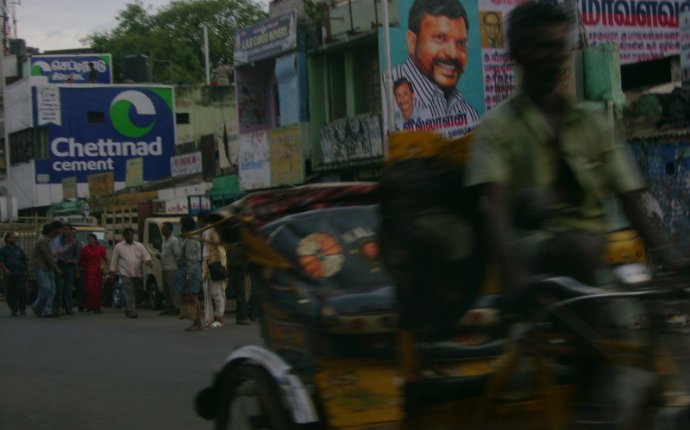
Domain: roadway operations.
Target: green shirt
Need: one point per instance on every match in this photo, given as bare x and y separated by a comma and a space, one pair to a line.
513, 147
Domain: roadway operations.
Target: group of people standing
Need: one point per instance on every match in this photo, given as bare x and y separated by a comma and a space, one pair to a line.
60, 260
191, 266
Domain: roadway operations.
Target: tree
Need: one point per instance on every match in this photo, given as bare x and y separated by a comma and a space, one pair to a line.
172, 37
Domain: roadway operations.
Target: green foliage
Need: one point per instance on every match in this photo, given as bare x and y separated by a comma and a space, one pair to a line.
172, 36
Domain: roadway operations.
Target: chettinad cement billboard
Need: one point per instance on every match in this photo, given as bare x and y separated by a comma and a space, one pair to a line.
72, 69
96, 130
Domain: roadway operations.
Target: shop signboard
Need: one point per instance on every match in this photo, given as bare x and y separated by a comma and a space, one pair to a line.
266, 39
97, 129
72, 69
181, 205
186, 164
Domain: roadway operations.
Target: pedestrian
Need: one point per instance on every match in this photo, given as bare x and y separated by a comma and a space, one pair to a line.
239, 283
56, 250
127, 262
70, 249
214, 283
13, 264
91, 261
188, 277
170, 253
46, 268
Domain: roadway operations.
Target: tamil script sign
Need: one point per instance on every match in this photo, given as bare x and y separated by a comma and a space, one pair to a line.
266, 39
73, 69
100, 128
644, 30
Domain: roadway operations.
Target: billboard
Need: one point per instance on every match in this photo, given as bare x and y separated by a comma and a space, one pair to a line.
95, 130
447, 72
437, 82
72, 69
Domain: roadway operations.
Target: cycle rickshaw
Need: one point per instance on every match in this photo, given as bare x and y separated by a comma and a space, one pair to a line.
347, 348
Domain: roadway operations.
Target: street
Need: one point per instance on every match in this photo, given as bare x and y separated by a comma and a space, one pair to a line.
108, 372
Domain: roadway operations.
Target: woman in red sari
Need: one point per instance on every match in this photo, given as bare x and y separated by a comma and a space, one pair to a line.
91, 260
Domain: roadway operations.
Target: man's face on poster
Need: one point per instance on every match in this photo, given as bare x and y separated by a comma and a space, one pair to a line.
440, 49
404, 97
493, 27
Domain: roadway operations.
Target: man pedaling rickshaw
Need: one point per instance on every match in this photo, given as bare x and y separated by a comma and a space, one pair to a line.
543, 166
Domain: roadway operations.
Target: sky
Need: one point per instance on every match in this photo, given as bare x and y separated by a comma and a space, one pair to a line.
60, 24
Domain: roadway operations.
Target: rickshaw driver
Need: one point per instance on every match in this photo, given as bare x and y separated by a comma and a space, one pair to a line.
539, 140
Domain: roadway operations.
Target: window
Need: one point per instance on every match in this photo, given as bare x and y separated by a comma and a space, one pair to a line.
28, 145
182, 118
337, 86
95, 117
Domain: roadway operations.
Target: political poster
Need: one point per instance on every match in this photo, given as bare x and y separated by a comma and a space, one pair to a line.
436, 60
254, 161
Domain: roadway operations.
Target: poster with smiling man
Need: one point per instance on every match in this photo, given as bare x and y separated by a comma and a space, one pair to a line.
437, 67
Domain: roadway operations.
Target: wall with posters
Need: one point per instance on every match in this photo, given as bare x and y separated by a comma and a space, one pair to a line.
97, 129
72, 69
271, 91
271, 158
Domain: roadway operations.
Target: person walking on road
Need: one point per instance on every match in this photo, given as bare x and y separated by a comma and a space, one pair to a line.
56, 250
127, 261
214, 289
169, 256
188, 277
46, 269
70, 249
91, 259
13, 264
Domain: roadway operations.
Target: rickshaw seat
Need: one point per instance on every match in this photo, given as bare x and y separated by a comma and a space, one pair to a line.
448, 350
382, 299
426, 392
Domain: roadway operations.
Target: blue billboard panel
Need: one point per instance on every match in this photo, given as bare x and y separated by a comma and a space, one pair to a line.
97, 129
73, 69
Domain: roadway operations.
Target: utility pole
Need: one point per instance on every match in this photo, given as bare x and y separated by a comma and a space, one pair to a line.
5, 134
206, 61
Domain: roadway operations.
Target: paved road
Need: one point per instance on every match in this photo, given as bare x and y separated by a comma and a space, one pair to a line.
107, 372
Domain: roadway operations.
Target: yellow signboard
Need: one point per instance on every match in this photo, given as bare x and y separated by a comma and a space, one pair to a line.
69, 187
101, 184
134, 173
286, 155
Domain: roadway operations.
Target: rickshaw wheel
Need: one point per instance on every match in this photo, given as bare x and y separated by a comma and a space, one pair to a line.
250, 401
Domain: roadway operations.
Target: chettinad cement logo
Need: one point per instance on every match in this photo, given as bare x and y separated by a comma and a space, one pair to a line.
123, 105
141, 124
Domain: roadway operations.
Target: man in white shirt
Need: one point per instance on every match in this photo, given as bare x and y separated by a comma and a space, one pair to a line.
169, 255
128, 258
